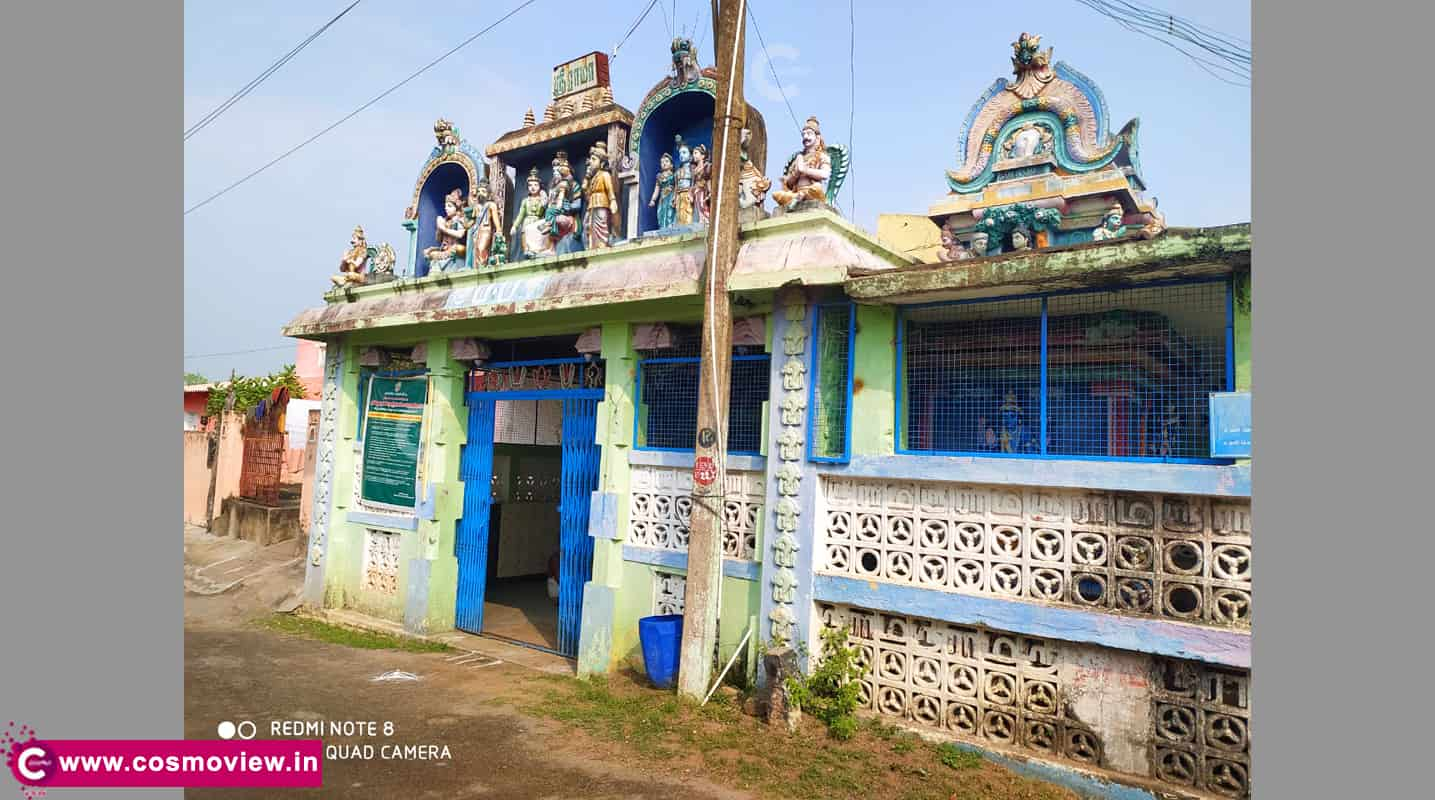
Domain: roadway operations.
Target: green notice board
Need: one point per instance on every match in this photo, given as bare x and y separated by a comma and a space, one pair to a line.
393, 424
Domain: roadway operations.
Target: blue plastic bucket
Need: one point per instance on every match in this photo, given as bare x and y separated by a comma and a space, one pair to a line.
661, 637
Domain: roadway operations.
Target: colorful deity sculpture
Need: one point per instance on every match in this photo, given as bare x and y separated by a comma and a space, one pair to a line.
351, 266
1020, 239
981, 241
752, 185
1110, 227
1156, 225
807, 172
445, 133
663, 192
685, 62
952, 247
487, 226
559, 220
1015, 436
683, 184
702, 185
452, 229
600, 202
533, 241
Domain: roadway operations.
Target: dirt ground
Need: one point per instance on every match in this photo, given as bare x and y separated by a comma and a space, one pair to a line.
511, 731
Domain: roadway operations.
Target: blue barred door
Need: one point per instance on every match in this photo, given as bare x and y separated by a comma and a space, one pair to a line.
475, 468
580, 480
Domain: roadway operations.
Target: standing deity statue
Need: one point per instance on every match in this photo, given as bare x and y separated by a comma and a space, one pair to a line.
356, 258
1015, 436
807, 174
683, 184
563, 194
702, 185
1110, 227
487, 225
452, 229
529, 219
600, 202
752, 185
663, 192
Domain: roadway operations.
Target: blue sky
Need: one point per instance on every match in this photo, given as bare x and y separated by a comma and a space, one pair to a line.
257, 256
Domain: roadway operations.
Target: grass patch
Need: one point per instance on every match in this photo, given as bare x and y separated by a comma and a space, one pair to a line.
957, 758
309, 628
630, 722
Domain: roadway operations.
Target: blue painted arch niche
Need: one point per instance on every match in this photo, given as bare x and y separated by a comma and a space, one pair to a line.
688, 114
443, 179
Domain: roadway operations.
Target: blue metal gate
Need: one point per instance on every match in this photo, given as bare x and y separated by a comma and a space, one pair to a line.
578, 384
580, 480
475, 468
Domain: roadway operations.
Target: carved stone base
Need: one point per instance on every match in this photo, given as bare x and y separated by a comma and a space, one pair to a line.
800, 206
751, 214
778, 664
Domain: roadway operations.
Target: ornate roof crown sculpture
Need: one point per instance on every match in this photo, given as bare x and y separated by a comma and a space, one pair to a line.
1037, 152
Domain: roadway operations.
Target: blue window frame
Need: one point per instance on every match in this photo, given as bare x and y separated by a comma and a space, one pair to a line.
829, 425
1119, 374
667, 403
365, 373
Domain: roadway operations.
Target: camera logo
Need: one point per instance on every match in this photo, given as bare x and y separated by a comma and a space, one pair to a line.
31, 761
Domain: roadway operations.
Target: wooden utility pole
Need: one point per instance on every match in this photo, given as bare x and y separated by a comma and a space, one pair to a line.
703, 593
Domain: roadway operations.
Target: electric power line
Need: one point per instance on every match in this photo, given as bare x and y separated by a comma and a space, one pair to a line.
1223, 52
296, 148
252, 85
771, 68
239, 352
851, 99
641, 17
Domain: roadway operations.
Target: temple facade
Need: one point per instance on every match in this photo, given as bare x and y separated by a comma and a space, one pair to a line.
1005, 444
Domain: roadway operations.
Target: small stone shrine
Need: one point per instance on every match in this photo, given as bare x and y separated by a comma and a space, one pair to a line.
1040, 168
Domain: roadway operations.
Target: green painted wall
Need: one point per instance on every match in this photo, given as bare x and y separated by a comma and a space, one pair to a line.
873, 381
1243, 331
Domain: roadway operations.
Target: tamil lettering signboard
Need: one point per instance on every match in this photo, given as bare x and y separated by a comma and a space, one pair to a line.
393, 428
1231, 425
580, 74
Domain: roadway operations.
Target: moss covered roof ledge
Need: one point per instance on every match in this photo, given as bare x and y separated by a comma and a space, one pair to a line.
1177, 253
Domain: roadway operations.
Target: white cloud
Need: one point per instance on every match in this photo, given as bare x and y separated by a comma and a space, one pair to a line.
783, 59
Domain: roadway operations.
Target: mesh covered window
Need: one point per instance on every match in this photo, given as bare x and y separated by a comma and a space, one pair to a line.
668, 397
831, 374
1127, 374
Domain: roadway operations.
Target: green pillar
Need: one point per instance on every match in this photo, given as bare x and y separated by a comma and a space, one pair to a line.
601, 634
874, 367
431, 608
1242, 292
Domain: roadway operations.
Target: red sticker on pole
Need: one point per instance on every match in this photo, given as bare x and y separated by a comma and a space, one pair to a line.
704, 470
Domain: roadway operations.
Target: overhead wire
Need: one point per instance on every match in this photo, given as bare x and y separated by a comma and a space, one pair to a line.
296, 148
1223, 52
238, 352
216, 112
643, 16
772, 68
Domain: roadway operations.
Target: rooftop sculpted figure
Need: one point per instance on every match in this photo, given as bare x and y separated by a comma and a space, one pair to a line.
807, 175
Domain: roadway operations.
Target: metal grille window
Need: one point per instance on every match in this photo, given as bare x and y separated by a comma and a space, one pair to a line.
668, 402
1124, 374
833, 330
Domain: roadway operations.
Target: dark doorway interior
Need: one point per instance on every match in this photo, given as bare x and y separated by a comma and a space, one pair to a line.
519, 602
